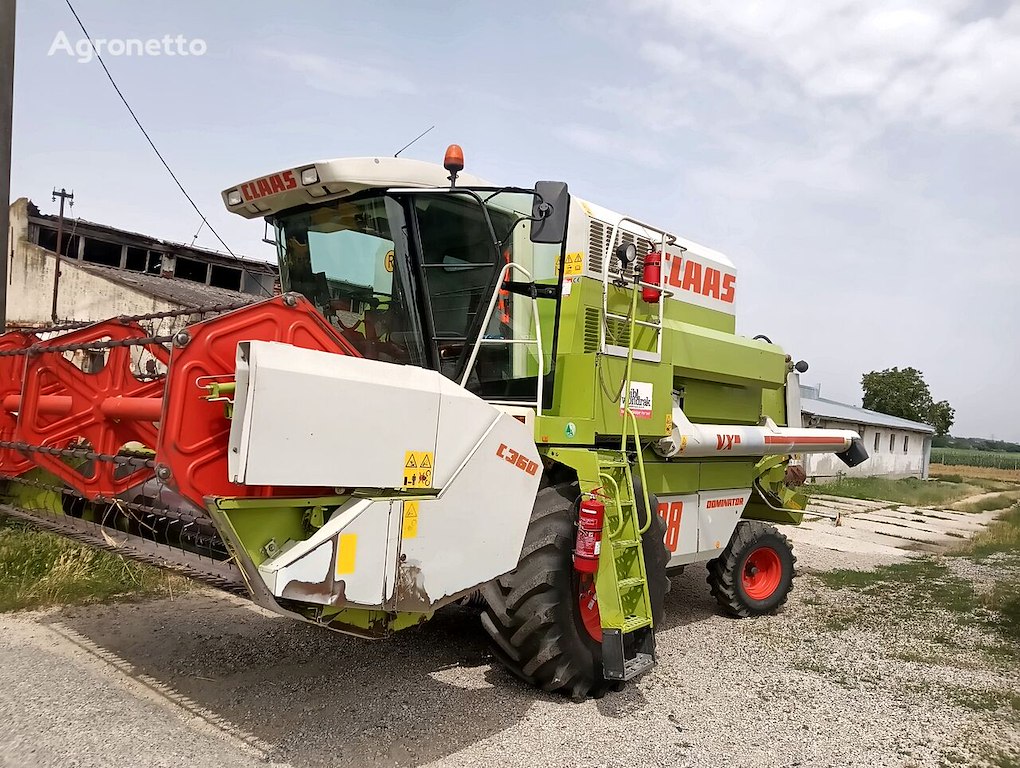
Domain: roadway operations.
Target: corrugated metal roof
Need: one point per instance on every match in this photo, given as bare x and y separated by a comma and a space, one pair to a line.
87, 228
184, 293
830, 409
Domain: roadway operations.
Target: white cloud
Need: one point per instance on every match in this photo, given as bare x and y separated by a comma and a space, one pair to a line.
896, 60
609, 144
344, 78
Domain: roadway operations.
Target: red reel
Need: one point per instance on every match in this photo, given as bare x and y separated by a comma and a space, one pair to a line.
63, 407
194, 433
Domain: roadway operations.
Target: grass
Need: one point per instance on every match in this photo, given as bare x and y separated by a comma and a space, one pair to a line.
39, 569
926, 584
908, 490
989, 503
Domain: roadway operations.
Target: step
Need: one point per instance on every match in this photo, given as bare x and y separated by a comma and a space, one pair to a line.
634, 623
613, 463
641, 663
623, 584
626, 543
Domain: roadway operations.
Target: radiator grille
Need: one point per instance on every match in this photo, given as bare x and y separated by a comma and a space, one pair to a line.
591, 329
599, 248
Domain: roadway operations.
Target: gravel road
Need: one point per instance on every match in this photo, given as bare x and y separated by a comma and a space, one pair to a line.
206, 680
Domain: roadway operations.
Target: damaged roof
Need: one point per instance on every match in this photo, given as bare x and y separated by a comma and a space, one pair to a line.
184, 293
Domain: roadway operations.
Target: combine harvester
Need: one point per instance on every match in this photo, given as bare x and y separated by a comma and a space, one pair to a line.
465, 389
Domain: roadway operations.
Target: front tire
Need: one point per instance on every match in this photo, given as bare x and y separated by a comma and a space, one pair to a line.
754, 574
540, 616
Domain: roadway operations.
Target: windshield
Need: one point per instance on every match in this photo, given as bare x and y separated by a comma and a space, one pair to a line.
410, 279
343, 257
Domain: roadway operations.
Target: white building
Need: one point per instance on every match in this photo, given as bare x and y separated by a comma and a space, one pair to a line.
897, 447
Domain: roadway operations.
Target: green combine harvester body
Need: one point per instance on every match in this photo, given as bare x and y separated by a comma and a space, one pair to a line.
464, 391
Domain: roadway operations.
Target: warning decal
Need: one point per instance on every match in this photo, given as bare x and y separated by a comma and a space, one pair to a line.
418, 469
573, 264
410, 526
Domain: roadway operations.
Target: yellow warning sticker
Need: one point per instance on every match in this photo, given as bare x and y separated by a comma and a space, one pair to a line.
573, 264
418, 469
410, 527
346, 547
669, 424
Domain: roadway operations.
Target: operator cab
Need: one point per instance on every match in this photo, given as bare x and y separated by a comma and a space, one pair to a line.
407, 270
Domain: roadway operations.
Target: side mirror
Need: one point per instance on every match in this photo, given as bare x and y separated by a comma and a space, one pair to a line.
550, 212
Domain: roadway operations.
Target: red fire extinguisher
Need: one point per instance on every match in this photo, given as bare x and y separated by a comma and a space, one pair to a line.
589, 535
652, 276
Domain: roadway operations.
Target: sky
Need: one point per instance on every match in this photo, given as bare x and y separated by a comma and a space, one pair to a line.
858, 161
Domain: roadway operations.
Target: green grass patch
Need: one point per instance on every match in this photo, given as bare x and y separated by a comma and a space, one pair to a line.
1003, 535
39, 569
928, 585
989, 503
923, 584
908, 490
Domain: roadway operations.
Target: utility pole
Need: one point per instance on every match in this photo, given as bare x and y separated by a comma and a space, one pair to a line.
7, 17
64, 195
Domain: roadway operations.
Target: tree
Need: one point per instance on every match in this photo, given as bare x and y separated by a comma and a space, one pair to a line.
904, 393
940, 416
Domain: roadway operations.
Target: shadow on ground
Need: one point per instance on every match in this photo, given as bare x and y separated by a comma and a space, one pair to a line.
319, 698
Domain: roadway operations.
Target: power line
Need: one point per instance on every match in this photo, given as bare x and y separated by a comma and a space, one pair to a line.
166, 165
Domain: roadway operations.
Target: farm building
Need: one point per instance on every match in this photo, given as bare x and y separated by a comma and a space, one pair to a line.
106, 272
897, 447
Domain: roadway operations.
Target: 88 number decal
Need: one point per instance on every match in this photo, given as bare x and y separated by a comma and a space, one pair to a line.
671, 512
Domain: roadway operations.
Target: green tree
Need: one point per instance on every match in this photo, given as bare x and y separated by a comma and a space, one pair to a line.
904, 393
940, 416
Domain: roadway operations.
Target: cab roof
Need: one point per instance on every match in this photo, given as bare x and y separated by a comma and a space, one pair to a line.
331, 179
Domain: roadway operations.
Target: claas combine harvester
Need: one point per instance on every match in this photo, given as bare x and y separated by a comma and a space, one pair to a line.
464, 391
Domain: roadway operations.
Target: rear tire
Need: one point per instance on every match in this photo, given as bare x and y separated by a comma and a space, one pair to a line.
754, 574
533, 614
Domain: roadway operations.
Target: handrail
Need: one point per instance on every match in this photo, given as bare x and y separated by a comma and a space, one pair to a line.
628, 414
616, 499
665, 238
537, 341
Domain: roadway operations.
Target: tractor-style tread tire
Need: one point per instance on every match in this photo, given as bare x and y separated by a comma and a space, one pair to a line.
726, 571
532, 613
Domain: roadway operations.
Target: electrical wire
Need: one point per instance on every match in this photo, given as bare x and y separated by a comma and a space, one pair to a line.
166, 165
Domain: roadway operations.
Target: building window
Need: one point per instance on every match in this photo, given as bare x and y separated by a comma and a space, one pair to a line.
878, 436
189, 269
225, 277
906, 442
892, 442
135, 260
102, 252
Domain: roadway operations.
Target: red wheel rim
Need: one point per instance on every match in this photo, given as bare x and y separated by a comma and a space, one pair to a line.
588, 604
763, 571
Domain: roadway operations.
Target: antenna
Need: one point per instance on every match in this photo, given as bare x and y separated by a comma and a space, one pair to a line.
413, 140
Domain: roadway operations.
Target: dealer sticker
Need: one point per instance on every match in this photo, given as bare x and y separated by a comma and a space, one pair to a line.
640, 400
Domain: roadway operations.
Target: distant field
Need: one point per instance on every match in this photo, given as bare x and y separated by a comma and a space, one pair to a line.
958, 473
908, 490
955, 457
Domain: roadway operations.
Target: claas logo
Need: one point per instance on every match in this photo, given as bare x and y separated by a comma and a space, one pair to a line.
688, 275
268, 185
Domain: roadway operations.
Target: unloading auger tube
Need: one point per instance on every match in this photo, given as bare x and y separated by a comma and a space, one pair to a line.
419, 419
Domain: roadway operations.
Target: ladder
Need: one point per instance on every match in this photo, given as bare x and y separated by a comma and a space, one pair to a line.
625, 607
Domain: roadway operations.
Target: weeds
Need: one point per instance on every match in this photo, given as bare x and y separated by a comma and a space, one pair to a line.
908, 490
38, 569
